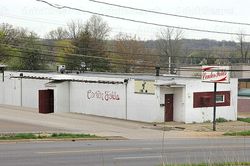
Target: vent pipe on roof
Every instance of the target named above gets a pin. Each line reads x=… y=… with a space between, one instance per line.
x=61 y=69
x=157 y=70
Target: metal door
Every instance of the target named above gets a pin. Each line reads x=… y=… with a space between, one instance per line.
x=169 y=110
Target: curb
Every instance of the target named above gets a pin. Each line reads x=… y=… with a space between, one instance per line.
x=64 y=139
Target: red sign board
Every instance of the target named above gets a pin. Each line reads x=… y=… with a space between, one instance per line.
x=219 y=74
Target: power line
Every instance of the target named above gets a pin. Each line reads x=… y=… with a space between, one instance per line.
x=128 y=53
x=171 y=14
x=74 y=55
x=51 y=54
x=114 y=59
x=142 y=22
x=55 y=22
x=34 y=20
x=134 y=65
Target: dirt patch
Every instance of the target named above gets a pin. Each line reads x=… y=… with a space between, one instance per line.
x=203 y=129
x=220 y=127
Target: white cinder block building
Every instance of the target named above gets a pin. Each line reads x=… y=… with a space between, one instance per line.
x=133 y=97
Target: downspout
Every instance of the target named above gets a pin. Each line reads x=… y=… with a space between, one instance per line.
x=3 y=74
x=126 y=98
x=69 y=94
x=21 y=90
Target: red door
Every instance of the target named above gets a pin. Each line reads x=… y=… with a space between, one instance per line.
x=46 y=101
x=169 y=111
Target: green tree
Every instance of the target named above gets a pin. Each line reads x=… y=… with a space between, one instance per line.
x=32 y=50
x=64 y=50
x=20 y=48
x=91 y=42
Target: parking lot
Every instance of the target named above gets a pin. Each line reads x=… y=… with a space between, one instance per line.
x=19 y=119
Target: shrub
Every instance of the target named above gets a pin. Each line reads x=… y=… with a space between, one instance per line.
x=220 y=120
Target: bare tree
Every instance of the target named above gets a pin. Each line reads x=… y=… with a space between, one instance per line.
x=133 y=51
x=58 y=34
x=75 y=28
x=244 y=47
x=169 y=44
x=90 y=39
x=97 y=28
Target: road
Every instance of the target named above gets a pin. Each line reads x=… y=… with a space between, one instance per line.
x=124 y=152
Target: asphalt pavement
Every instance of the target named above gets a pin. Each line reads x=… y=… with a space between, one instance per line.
x=80 y=123
x=125 y=152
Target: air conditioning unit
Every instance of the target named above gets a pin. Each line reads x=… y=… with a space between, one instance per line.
x=61 y=69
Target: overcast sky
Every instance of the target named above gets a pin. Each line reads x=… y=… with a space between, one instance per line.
x=41 y=18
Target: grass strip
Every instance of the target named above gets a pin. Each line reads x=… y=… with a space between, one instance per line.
x=213 y=164
x=239 y=133
x=244 y=119
x=16 y=136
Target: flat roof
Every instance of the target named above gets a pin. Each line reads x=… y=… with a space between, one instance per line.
x=138 y=76
x=87 y=76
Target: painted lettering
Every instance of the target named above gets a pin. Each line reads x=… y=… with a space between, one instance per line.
x=106 y=96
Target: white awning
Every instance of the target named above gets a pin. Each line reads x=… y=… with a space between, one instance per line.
x=171 y=84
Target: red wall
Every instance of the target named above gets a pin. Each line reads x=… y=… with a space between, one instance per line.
x=206 y=99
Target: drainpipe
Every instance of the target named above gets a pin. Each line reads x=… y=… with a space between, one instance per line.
x=3 y=74
x=21 y=90
x=69 y=95
x=126 y=98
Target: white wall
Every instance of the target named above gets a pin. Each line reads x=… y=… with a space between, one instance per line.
x=1 y=91
x=30 y=96
x=61 y=97
x=94 y=98
x=179 y=104
x=141 y=107
x=206 y=113
x=20 y=92
x=11 y=92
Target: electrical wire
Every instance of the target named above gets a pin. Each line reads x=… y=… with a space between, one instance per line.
x=112 y=62
x=142 y=22
x=75 y=55
x=51 y=55
x=55 y=22
x=117 y=59
x=135 y=65
x=171 y=14
x=128 y=53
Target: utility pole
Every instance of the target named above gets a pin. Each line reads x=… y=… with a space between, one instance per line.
x=169 y=65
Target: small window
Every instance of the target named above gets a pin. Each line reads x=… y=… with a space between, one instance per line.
x=220 y=98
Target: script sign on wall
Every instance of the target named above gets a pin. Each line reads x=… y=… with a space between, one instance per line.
x=219 y=74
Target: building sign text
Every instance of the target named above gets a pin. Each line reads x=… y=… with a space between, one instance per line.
x=105 y=96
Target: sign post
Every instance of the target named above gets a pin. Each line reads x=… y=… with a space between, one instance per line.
x=214 y=117
x=215 y=74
